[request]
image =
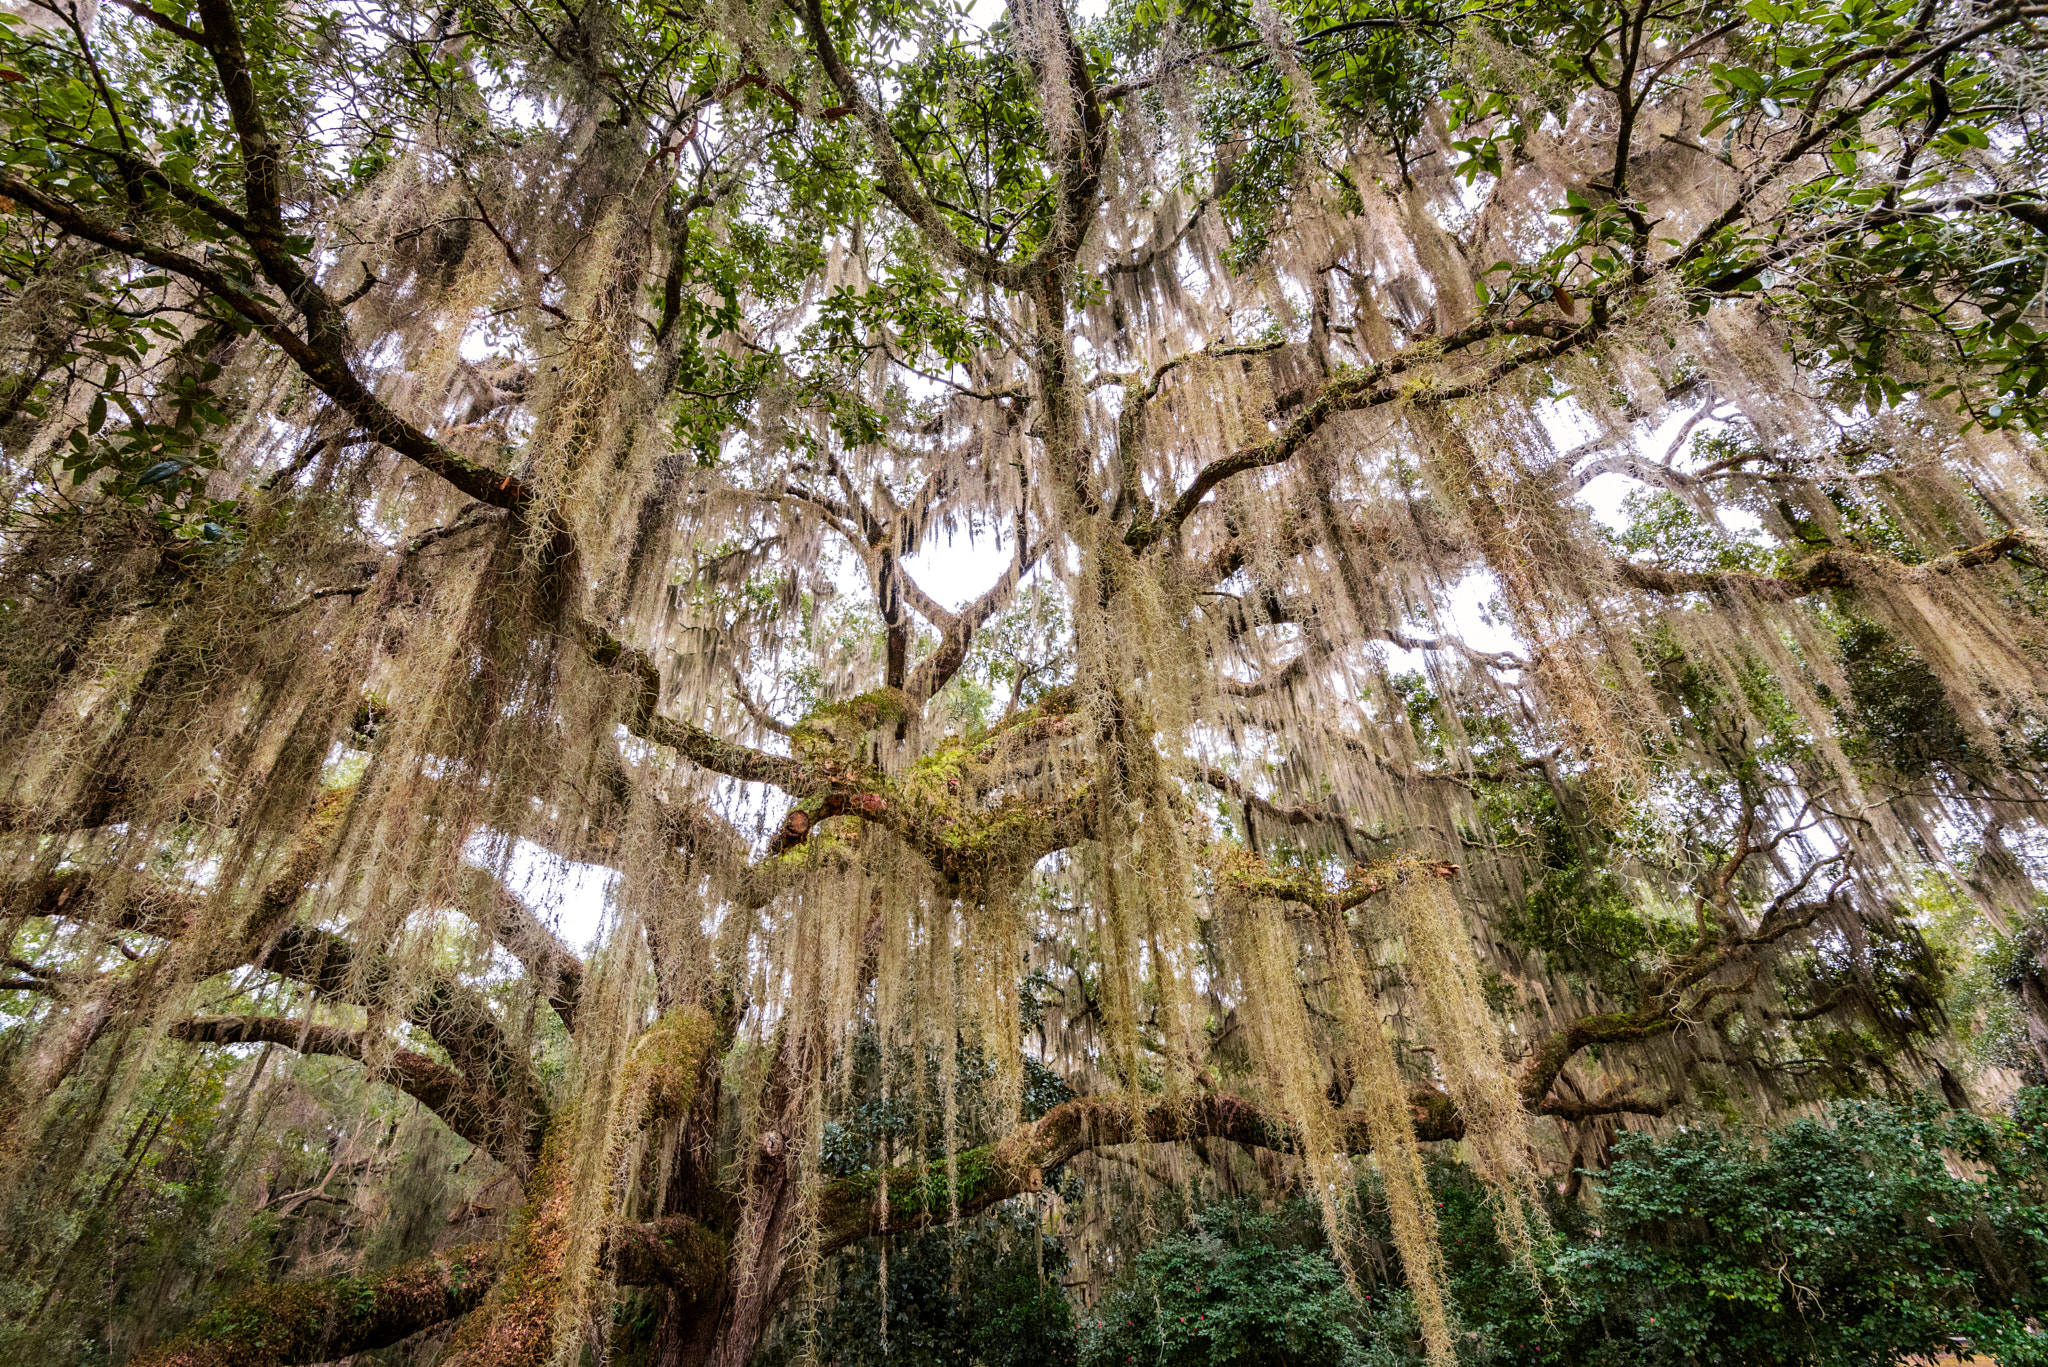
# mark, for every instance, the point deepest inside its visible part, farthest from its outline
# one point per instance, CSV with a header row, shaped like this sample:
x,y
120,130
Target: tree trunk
x,y
688,1329
768,1209
2034,1004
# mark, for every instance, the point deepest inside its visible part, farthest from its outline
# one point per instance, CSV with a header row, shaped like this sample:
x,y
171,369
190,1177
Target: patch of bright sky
x,y
567,896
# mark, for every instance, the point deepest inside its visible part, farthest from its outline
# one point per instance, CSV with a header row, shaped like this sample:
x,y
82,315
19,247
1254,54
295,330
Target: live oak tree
x,y
445,443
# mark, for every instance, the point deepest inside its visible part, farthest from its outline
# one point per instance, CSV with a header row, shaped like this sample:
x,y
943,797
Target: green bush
x,y
1887,1229
1844,1242
974,1296
1240,1288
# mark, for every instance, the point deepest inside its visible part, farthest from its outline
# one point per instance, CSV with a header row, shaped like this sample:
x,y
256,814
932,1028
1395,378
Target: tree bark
x,y
309,1322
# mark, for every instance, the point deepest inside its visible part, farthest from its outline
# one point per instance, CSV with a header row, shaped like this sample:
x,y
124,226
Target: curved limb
x,y
445,1092
320,1321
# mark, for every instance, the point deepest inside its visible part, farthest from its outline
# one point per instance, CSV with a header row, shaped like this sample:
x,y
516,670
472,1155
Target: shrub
x,y
1885,1229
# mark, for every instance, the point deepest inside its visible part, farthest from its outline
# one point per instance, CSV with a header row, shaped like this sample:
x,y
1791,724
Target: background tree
x,y
448,449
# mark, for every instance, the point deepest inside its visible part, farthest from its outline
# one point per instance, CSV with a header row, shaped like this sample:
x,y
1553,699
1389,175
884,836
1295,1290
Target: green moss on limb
x,y
517,1328
319,1321
667,1061
841,725
918,1193
675,1252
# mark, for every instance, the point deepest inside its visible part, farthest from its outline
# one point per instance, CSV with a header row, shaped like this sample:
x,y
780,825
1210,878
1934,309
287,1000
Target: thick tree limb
x,y
674,1251
851,1208
293,1324
321,1321
960,844
1260,881
1269,810
1678,999
453,1015
1541,1072
445,1092
693,742
1613,1103
1834,568
547,961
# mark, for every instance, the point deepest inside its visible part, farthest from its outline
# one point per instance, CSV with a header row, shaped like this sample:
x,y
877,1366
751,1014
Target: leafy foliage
x,y
1887,1229
1241,1288
987,1293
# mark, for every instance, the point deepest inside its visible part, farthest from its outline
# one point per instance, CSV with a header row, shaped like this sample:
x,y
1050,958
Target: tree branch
x,y
1284,816
445,1092
1369,389
297,1324
942,664
693,742
1834,568
323,1321
850,1208
329,373
162,21
894,177
548,962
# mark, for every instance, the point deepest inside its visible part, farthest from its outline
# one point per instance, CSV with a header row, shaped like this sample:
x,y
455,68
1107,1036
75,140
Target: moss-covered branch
x,y
453,1014
539,950
490,1066
326,368
693,742
1256,877
1541,1071
674,1251
1837,567
319,1321
918,1193
1373,387
442,1090
544,1259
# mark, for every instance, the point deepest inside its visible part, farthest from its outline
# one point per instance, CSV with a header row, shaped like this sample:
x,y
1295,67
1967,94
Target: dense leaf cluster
x,y
1885,1229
